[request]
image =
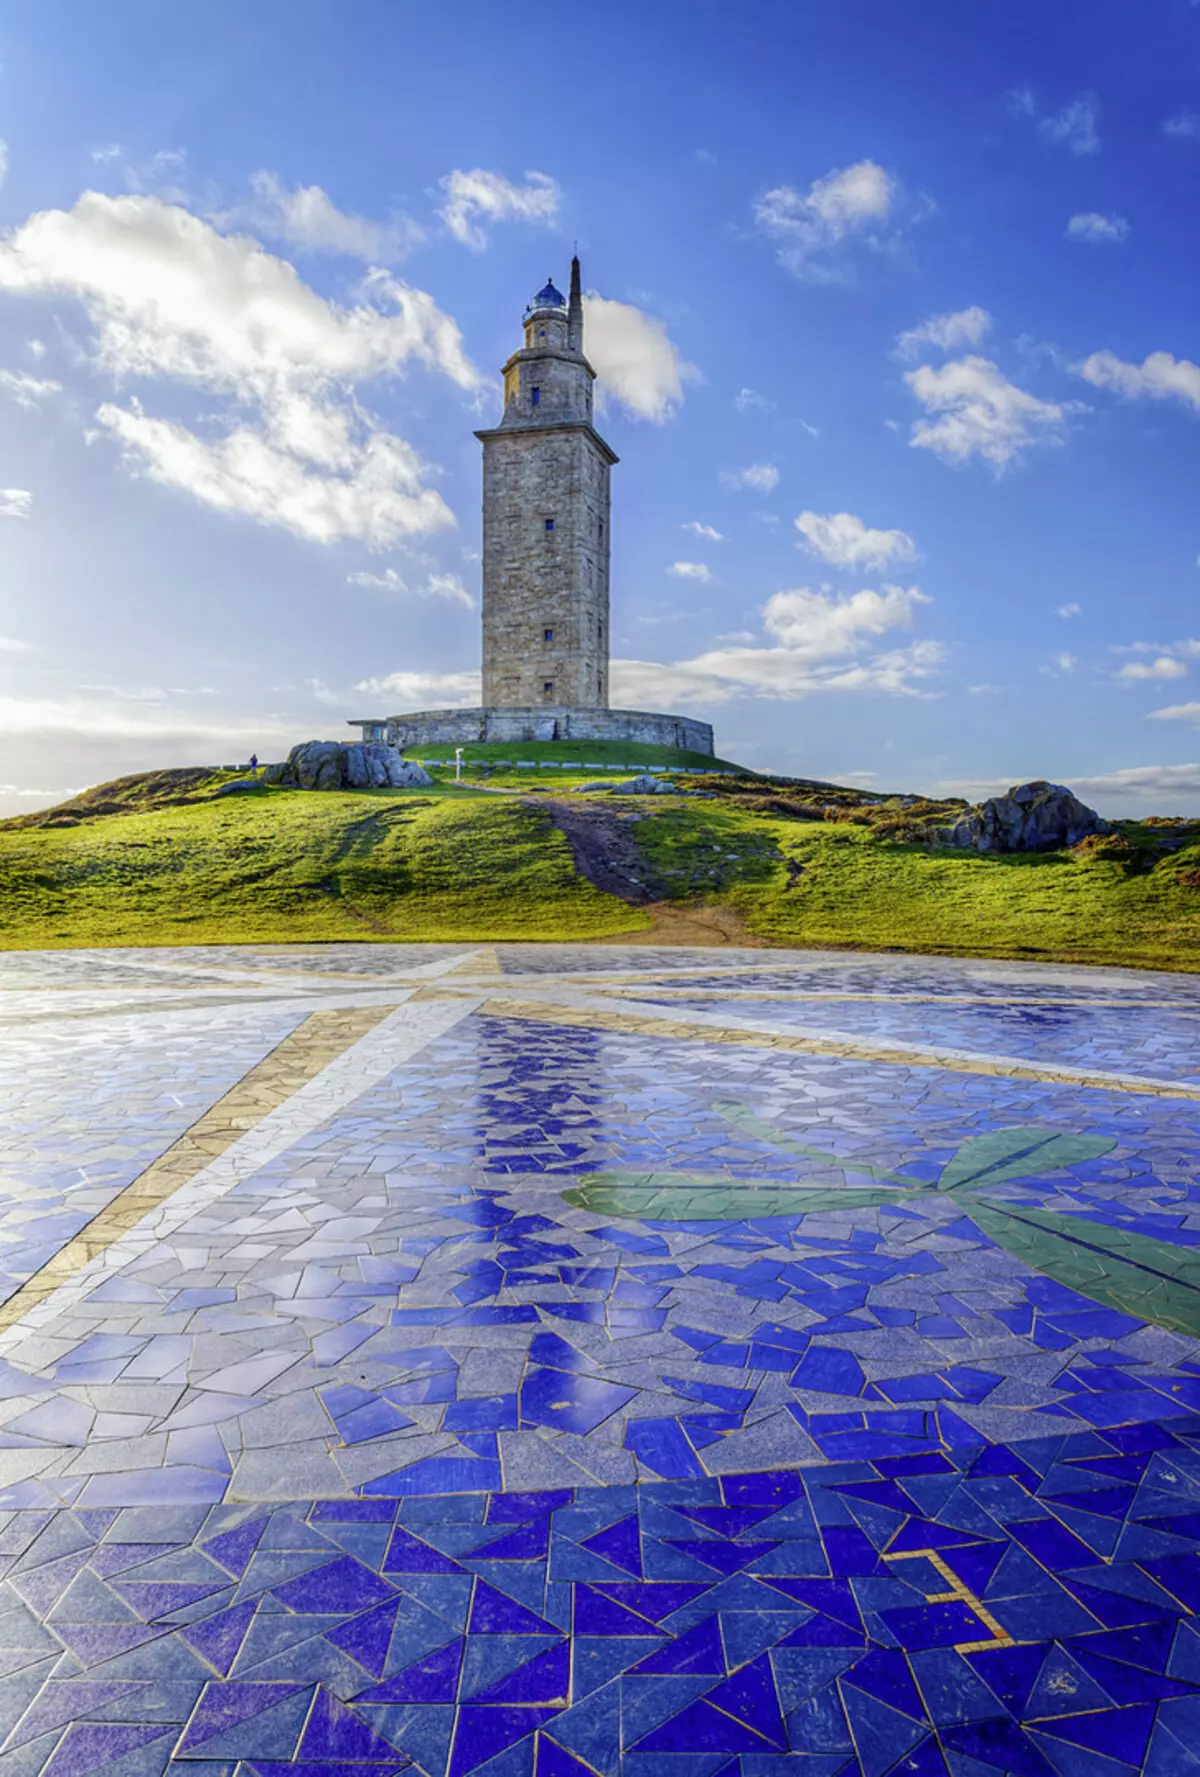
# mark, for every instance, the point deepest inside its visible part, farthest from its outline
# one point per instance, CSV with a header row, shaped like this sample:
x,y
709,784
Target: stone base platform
x,y
537,722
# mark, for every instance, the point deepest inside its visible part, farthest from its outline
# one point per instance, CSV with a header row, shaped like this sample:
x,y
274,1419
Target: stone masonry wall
x,y
538,580
538,722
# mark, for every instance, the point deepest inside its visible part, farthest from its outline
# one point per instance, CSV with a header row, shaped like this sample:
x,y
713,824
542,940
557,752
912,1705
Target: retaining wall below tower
x,y
538,722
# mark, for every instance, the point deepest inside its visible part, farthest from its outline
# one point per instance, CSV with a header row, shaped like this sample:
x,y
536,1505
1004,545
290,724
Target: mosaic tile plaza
x,y
543,1362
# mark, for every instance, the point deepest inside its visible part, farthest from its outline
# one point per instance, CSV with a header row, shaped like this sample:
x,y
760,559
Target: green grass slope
x,y
285,866
164,860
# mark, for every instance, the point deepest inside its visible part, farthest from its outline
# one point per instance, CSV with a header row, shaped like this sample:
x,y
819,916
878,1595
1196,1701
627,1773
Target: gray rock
x,y
237,786
327,765
645,785
1037,816
584,789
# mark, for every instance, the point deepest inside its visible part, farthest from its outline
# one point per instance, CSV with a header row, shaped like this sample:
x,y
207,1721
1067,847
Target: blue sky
x,y
899,301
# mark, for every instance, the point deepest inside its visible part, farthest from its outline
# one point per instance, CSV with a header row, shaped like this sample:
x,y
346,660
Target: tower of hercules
x,y
546,521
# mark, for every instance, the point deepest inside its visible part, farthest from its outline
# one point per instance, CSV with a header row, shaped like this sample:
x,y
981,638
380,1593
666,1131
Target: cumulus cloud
x,y
636,362
763,478
976,411
947,333
690,570
1163,666
1062,666
1177,712
417,690
478,197
308,219
1160,377
28,390
172,299
843,540
1184,127
707,531
1075,127
750,401
1090,225
1070,610
815,642
850,205
443,586
15,502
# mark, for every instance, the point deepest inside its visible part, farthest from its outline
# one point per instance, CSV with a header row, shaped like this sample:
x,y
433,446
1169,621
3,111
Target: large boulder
x,y
327,765
1032,817
645,785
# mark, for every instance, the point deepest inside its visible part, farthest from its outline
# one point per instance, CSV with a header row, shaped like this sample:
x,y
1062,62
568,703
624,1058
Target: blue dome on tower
x,y
547,298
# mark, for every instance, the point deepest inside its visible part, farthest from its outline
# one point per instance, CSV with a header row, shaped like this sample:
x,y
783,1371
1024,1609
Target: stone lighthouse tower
x,y
546,521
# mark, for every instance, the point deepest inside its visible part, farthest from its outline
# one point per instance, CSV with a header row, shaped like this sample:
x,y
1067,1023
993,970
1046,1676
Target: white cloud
x,y
965,327
308,219
27,390
749,400
1090,225
1149,781
1160,376
323,693
1074,127
1062,665
1070,610
635,360
1184,127
816,642
10,645
1164,666
762,477
15,502
36,348
111,151
1178,712
708,531
3,161
171,298
1021,102
474,198
850,204
445,586
416,690
690,570
843,540
979,413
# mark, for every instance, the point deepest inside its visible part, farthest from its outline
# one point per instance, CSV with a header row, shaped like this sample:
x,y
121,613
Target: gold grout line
x,y
300,1057
958,1594
637,1024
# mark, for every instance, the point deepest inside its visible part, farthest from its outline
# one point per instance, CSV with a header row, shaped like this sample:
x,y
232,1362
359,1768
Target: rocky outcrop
x,y
327,765
645,785
1032,817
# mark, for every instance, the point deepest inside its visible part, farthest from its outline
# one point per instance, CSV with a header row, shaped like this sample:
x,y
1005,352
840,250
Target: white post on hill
x,y
458,753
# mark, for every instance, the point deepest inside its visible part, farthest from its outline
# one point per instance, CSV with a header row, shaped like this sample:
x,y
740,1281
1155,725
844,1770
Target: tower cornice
x,y
523,430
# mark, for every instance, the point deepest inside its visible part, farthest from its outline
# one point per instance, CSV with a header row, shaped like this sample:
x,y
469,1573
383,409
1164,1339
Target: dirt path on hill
x,y
606,854
605,850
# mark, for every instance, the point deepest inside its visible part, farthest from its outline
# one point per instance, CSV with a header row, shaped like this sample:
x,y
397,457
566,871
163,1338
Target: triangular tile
x,y
218,1638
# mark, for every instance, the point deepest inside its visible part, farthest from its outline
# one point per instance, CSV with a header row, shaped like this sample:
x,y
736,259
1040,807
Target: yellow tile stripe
x,y
638,1024
321,1038
958,1593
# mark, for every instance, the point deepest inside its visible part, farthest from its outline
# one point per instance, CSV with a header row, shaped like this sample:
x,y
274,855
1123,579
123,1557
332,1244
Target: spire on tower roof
x,y
575,310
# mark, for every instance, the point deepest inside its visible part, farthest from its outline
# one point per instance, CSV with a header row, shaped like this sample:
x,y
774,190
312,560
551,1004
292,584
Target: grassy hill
x,y
165,858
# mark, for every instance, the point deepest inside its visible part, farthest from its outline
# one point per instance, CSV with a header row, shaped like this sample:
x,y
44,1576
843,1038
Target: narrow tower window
x,y
547,635
547,687
549,524
535,396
